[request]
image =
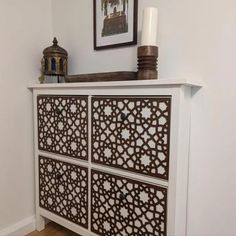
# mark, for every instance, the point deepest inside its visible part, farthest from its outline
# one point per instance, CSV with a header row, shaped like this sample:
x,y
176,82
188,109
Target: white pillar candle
x,y
149,28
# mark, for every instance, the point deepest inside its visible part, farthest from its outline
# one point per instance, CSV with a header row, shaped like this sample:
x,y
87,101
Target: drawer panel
x,y
132,133
63,190
63,125
121,206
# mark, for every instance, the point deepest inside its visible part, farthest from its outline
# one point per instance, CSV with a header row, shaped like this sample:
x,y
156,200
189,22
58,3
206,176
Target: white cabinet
x,y
111,158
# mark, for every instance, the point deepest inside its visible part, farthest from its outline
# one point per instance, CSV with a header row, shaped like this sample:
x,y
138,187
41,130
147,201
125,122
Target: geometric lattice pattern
x,y
63,190
63,125
132,133
122,206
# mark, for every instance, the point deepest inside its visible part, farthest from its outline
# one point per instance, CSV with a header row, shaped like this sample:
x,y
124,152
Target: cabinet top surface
x,y
123,84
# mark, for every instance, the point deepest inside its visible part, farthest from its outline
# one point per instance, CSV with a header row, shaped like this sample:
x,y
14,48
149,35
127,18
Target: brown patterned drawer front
x,y
132,133
63,125
63,190
122,206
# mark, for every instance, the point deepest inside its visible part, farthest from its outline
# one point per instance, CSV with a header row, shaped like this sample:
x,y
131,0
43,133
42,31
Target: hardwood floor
x,y
53,229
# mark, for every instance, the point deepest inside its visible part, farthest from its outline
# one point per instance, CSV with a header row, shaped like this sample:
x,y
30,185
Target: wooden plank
x,y
53,229
108,76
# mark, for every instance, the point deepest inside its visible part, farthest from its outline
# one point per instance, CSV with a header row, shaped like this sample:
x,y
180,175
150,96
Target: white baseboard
x,y
21,228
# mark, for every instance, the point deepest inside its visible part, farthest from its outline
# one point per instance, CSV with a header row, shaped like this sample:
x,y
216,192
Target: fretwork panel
x,y
63,190
63,125
132,133
122,206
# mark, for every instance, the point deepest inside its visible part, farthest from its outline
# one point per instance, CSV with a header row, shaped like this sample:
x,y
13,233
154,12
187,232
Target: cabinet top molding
x,y
128,84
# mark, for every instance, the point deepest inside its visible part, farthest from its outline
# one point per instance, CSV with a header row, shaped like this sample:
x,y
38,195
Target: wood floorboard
x,y
53,229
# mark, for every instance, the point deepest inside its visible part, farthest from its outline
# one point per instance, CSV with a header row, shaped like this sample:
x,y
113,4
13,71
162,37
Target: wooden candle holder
x,y
147,62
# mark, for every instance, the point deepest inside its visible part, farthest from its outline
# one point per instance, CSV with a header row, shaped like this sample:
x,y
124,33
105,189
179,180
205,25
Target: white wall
x,y
75,32
197,40
25,29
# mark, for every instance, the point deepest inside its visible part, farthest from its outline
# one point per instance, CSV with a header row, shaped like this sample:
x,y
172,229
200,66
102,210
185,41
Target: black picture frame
x,y
113,19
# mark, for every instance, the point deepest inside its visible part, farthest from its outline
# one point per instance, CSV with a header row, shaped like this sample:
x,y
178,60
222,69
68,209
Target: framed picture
x,y
115,23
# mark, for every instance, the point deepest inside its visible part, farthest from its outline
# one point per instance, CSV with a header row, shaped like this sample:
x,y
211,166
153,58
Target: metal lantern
x,y
54,63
